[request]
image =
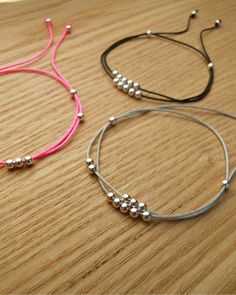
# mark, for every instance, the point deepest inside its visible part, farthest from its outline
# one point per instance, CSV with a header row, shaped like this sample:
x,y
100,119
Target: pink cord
x,y
13,68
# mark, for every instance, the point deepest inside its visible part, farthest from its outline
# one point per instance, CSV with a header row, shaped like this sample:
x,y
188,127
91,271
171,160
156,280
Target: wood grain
x,y
58,234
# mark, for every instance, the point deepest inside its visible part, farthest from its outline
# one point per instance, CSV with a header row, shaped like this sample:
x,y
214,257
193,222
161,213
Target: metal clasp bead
x,y
112,120
149,33
210,65
218,23
73,91
226,183
194,13
80,115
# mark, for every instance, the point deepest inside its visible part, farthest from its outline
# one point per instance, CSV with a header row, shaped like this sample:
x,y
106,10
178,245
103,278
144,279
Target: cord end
x,y
68,27
218,23
48,20
194,13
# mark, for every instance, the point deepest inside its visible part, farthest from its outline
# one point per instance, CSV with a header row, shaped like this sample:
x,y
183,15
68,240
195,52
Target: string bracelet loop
x,y
78,117
135,89
137,208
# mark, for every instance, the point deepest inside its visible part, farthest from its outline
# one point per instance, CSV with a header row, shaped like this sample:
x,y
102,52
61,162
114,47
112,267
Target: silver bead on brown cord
x,y
128,86
210,65
149,33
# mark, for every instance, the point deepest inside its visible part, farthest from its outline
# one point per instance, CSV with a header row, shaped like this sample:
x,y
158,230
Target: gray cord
x,y
107,187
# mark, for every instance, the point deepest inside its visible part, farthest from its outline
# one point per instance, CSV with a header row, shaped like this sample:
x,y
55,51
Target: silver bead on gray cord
x,y
112,120
226,183
110,197
89,161
125,207
116,202
124,202
92,169
128,86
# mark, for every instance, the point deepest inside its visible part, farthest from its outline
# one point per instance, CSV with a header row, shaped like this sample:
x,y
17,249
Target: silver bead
x,y
69,27
19,162
80,115
194,13
124,79
10,164
210,65
48,20
138,94
125,87
133,202
116,81
110,197
131,91
149,33
218,23
115,73
136,85
73,91
112,120
134,212
120,84
124,208
225,183
89,161
142,207
126,198
146,216
119,76
130,83
92,168
28,160
116,203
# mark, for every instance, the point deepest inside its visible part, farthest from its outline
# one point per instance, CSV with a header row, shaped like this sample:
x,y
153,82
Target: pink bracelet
x,y
13,68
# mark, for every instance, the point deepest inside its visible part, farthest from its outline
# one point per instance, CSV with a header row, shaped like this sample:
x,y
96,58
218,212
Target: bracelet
x,y
135,90
14,68
130,205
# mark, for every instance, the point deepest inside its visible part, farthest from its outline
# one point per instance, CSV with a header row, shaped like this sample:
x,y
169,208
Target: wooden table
x,y
58,233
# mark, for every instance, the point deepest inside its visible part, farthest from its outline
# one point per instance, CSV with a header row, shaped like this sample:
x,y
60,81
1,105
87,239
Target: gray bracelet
x,y
125,202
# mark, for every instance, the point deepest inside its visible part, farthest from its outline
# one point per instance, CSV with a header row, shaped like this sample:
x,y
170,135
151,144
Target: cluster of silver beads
x,y
128,86
19,162
126,204
91,166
